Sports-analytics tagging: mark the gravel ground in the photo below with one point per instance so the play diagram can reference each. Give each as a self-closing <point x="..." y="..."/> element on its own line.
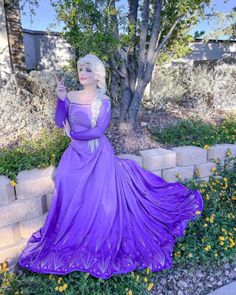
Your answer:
<point x="125" y="141"/>
<point x="194" y="280"/>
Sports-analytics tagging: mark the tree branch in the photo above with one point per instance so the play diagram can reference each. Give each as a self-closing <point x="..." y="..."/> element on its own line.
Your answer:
<point x="156" y="21"/>
<point x="167" y="37"/>
<point x="143" y="37"/>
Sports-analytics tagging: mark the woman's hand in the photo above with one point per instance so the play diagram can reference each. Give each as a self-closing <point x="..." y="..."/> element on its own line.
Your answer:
<point x="67" y="128"/>
<point x="61" y="89"/>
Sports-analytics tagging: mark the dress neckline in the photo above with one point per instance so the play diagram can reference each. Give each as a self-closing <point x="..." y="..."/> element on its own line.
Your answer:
<point x="77" y="102"/>
<point x="82" y="104"/>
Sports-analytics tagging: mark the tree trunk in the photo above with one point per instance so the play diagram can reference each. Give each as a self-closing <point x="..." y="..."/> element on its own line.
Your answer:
<point x="135" y="104"/>
<point x="15" y="34"/>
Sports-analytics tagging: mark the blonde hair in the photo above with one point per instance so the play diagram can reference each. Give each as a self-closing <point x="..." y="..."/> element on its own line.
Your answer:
<point x="98" y="68"/>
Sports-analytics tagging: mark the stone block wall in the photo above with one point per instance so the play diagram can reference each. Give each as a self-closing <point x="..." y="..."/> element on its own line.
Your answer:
<point x="24" y="204"/>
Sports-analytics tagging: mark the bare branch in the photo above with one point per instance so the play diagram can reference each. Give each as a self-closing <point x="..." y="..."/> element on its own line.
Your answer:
<point x="168" y="35"/>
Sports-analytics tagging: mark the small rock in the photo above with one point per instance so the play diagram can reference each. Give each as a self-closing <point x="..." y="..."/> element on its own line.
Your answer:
<point x="182" y="284"/>
<point x="219" y="283"/>
<point x="227" y="265"/>
<point x="232" y="274"/>
<point x="163" y="281"/>
<point x="143" y="124"/>
<point x="200" y="274"/>
<point x="218" y="273"/>
<point x="211" y="279"/>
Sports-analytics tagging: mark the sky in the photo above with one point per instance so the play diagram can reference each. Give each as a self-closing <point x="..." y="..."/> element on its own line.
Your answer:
<point x="45" y="16"/>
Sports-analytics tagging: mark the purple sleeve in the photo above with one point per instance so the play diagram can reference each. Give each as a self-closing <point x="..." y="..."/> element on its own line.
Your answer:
<point x="61" y="112"/>
<point x="101" y="126"/>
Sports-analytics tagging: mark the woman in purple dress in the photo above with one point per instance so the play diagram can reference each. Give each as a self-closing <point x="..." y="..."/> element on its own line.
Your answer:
<point x="108" y="216"/>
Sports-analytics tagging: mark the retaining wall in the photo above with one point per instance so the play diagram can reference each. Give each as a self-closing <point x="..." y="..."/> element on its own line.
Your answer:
<point x="24" y="204"/>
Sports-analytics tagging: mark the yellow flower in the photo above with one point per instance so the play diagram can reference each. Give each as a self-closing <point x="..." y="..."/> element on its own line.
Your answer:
<point x="137" y="278"/>
<point x="215" y="254"/>
<point x="59" y="280"/>
<point x="207" y="248"/>
<point x="148" y="271"/>
<point x="212" y="217"/>
<point x="225" y="179"/>
<point x="233" y="198"/>
<point x="224" y="186"/>
<point x="221" y="238"/>
<point x="145" y="279"/>
<point x="4" y="267"/>
<point x="198" y="212"/>
<point x="56" y="288"/>
<point x="213" y="169"/>
<point x="197" y="171"/>
<point x="228" y="153"/>
<point x="13" y="183"/>
<point x="150" y="286"/>
<point x="205" y="225"/>
<point x="190" y="255"/>
<point x="222" y="243"/>
<point x="130" y="292"/>
<point x="206" y="147"/>
<point x="64" y="287"/>
<point x="177" y="254"/>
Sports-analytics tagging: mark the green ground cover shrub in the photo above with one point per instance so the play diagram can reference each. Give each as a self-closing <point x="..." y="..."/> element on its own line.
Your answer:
<point x="42" y="152"/>
<point x="196" y="132"/>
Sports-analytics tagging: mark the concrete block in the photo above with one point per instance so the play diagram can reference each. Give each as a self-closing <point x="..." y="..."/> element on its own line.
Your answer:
<point x="7" y="192"/>
<point x="185" y="173"/>
<point x="12" y="252"/>
<point x="205" y="169"/>
<point x="229" y="289"/>
<point x="137" y="159"/>
<point x="35" y="182"/>
<point x="49" y="200"/>
<point x="20" y="210"/>
<point x="9" y="234"/>
<point x="28" y="227"/>
<point x="157" y="159"/>
<point x="218" y="151"/>
<point x="190" y="155"/>
<point x="157" y="172"/>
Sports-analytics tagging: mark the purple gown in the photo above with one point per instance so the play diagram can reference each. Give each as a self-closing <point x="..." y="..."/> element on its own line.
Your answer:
<point x="108" y="216"/>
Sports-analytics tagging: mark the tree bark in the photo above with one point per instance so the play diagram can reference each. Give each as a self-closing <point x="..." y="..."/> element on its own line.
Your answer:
<point x="15" y="34"/>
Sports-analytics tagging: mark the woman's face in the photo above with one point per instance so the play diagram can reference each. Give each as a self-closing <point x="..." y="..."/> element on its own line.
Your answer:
<point x="87" y="75"/>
